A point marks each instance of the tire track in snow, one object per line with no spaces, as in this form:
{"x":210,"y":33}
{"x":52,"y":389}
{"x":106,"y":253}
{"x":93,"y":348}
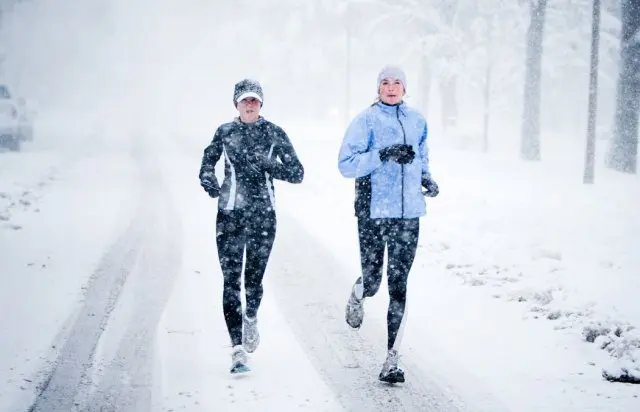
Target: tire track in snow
{"x":58,"y":390}
{"x":313,"y":302}
{"x":127,"y":381}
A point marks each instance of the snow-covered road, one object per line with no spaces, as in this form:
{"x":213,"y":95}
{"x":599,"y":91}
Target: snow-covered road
{"x":125,"y":314}
{"x":107,"y":323}
{"x":111,"y":297}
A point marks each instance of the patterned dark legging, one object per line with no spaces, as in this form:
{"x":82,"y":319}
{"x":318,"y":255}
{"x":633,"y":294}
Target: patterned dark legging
{"x":400,"y":237}
{"x":236,"y":230}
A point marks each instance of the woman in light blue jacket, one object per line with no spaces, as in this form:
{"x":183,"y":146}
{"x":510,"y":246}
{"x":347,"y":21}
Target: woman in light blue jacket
{"x":385,"y":150}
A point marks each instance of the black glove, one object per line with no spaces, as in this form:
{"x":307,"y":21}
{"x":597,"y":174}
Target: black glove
{"x":260,"y":163}
{"x":210,"y":186}
{"x":431,"y":187}
{"x":399,"y":153}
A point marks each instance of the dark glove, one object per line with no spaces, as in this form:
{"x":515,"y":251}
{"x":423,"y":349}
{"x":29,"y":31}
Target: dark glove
{"x":399,"y":153}
{"x":431,"y":187}
{"x":260,"y":163}
{"x":210,"y":186}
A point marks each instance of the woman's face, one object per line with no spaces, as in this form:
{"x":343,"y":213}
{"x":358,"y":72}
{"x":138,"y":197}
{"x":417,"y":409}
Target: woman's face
{"x":391,"y":91}
{"x":249,"y":109}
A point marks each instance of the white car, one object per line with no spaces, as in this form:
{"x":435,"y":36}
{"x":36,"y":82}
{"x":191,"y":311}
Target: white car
{"x":16,"y":123}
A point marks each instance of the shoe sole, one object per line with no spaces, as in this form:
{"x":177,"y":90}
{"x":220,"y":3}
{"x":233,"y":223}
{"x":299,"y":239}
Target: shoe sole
{"x":240,"y":368}
{"x":392,"y":378}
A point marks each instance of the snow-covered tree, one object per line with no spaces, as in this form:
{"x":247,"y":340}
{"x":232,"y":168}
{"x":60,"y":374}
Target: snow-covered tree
{"x":624,"y":147}
{"x":530,"y":138}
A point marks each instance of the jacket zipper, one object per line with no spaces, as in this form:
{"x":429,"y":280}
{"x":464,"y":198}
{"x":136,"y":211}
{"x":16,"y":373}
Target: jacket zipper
{"x":404,"y":140}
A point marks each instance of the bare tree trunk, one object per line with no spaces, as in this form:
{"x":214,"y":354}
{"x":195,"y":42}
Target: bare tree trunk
{"x":589,"y":167}
{"x":487,"y":108}
{"x":448,"y":92}
{"x":487,"y":87}
{"x":347,"y":96}
{"x":448,"y":85}
{"x":624,"y":146}
{"x":425,"y":86}
{"x":530,"y":138}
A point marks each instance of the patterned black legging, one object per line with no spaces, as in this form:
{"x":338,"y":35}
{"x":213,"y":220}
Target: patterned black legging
{"x":255,"y":230}
{"x":400,"y":237}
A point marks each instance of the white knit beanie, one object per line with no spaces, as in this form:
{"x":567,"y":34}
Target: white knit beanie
{"x":392,"y":72}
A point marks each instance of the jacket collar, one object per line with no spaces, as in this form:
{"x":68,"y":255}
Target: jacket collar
{"x":258,"y":122}
{"x":389,"y":109}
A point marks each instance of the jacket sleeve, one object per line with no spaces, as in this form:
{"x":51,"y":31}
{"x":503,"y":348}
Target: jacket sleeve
{"x":287,"y":166}
{"x":423,"y":152}
{"x":210,"y":157}
{"x":356,"y":159}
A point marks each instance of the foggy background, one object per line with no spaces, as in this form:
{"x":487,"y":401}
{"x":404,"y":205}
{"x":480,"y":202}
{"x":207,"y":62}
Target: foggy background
{"x":516,"y":257}
{"x":170,"y":66}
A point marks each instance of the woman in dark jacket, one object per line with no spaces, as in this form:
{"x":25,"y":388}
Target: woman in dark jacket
{"x":255,"y":151}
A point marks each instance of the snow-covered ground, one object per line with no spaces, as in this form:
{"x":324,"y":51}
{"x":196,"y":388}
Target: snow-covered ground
{"x":111,"y":290}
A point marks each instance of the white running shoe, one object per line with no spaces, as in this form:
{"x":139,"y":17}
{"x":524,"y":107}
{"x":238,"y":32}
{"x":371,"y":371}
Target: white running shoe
{"x":250,"y":334}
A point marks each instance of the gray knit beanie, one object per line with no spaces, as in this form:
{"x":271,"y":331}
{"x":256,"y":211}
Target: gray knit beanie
{"x":392,"y":72}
